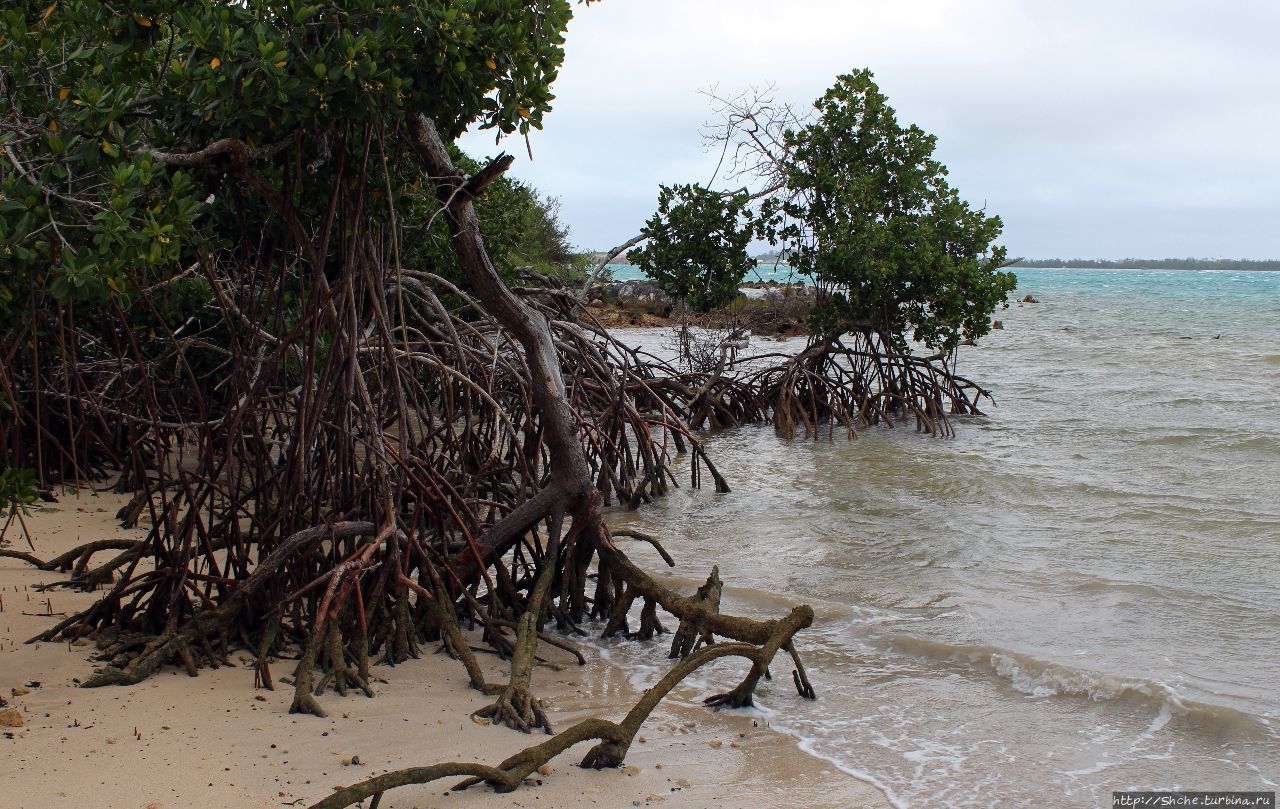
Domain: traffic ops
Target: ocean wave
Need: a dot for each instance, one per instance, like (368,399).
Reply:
(1268,443)
(1103,585)
(1182,439)
(1045,679)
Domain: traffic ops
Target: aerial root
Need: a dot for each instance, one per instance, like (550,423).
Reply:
(614,738)
(643,537)
(798,675)
(164,648)
(518,709)
(77,560)
(689,636)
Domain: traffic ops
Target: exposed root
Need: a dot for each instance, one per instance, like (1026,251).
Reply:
(403,458)
(162,649)
(518,709)
(615,738)
(689,635)
(77,560)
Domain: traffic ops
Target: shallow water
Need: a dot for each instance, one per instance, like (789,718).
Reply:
(1079,593)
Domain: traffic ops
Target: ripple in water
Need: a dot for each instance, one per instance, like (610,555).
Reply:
(1076,595)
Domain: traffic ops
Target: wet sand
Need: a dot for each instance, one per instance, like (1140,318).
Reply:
(214,740)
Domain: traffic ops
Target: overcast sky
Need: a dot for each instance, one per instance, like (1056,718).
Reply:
(1094,128)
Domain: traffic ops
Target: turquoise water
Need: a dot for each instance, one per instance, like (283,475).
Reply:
(764,272)
(1079,593)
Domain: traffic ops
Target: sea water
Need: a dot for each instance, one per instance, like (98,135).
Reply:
(765,271)
(1078,593)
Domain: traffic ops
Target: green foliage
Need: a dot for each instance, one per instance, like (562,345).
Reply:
(697,245)
(94,91)
(18,490)
(520,227)
(868,212)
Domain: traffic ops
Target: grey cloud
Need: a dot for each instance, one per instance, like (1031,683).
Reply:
(1092,128)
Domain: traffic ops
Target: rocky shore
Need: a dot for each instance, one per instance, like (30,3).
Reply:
(765,308)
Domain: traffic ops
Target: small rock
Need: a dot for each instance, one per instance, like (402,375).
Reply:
(19,691)
(657,766)
(997,325)
(10,718)
(545,769)
(346,762)
(260,698)
(1029,299)
(355,761)
(734,744)
(715,743)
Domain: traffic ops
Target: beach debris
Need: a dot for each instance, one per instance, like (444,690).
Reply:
(631,769)
(10,718)
(716,744)
(19,691)
(545,769)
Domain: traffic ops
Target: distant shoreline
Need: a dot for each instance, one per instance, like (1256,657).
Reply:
(1192,264)
(1188,265)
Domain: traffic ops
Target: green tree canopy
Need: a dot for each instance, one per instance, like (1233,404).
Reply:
(697,245)
(868,213)
(120,120)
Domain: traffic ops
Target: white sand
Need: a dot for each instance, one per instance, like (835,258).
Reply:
(176,741)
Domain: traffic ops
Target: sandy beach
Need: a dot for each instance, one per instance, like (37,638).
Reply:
(215,740)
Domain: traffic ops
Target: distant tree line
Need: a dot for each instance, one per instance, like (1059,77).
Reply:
(1239,264)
